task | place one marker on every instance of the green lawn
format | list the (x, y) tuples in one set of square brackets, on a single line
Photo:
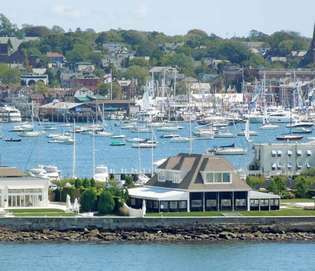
[(282, 212), (184, 214), (38, 212), (296, 200)]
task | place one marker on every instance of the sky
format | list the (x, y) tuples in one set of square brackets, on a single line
[(225, 18)]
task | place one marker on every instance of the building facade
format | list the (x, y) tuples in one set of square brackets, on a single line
[(195, 182), (19, 190), (288, 159)]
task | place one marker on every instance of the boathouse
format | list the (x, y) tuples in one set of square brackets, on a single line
[(199, 182)]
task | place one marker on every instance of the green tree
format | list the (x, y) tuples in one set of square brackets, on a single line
[(9, 75), (41, 88), (255, 181), (277, 185), (302, 187), (139, 73), (7, 29), (87, 200), (106, 203)]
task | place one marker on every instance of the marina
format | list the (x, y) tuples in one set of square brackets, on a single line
[(28, 152)]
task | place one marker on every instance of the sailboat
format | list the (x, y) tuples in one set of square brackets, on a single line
[(290, 136), (266, 123), (31, 133), (247, 133)]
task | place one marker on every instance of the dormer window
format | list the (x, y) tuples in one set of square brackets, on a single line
[(167, 175), (216, 177)]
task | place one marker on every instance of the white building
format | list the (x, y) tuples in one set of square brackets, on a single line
[(282, 158), (19, 190)]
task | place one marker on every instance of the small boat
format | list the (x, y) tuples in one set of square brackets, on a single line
[(103, 133), (224, 134), (169, 136), (12, 139), (117, 143), (136, 140), (169, 128), (289, 137), (141, 130), (203, 122), (180, 139), (22, 128), (268, 126), (101, 174), (147, 144), (31, 133), (250, 133), (118, 136), (302, 130), (305, 124), (228, 150)]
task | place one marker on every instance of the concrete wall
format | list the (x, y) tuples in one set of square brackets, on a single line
[(124, 223)]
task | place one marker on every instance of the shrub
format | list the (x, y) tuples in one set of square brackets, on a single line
[(87, 201), (277, 185), (106, 203), (255, 181), (302, 187)]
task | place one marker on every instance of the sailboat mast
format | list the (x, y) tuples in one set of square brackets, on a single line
[(74, 153), (93, 150)]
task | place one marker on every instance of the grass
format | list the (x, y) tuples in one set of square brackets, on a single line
[(184, 214), (38, 212), (282, 212), (296, 200)]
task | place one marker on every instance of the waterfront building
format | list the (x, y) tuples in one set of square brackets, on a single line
[(199, 182), (20, 190), (287, 158)]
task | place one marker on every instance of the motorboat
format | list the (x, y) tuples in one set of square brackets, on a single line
[(204, 133), (223, 134), (10, 114), (301, 130), (136, 140), (169, 128), (12, 139), (289, 137), (103, 133), (228, 150), (117, 143), (169, 136), (147, 144), (24, 127), (31, 133), (299, 124), (142, 179), (268, 126), (118, 136), (49, 172), (180, 139), (101, 174), (141, 130)]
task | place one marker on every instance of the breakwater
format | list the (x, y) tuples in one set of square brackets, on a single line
[(157, 229)]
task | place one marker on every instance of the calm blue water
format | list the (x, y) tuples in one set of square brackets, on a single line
[(215, 257), (33, 151)]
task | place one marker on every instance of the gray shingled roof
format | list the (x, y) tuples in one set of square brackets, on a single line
[(193, 165)]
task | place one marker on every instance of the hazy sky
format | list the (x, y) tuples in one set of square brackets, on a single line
[(222, 17)]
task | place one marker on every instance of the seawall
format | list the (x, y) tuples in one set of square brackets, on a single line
[(149, 223), (104, 229)]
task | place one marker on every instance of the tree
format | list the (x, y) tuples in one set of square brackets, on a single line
[(88, 199), (106, 203), (80, 52), (9, 75), (255, 181), (302, 187), (56, 29), (7, 29), (36, 31), (277, 185), (139, 73), (41, 88)]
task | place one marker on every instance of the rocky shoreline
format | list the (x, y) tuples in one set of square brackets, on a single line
[(212, 234)]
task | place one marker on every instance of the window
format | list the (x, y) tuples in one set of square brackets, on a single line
[(240, 202), (309, 153), (254, 202), (173, 205), (196, 203), (226, 177), (279, 153), (169, 175), (182, 204), (226, 203), (164, 205), (211, 203), (299, 153), (133, 201), (216, 177), (273, 153), (264, 202), (289, 153)]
